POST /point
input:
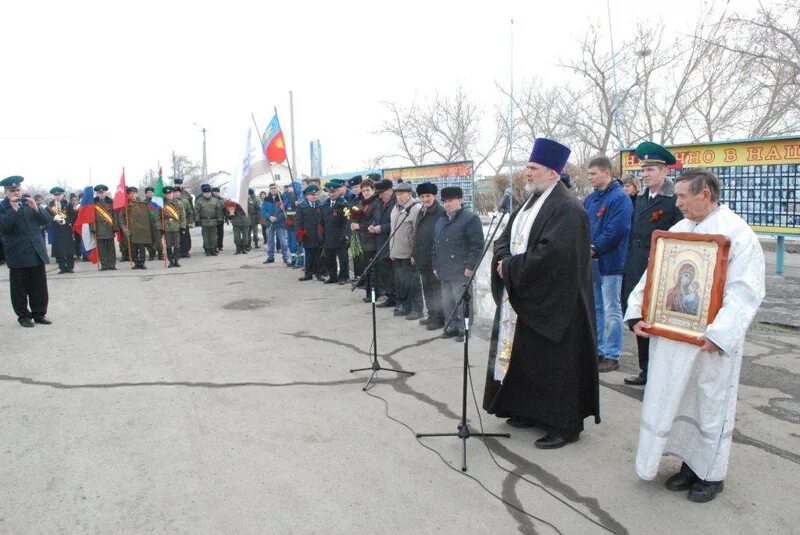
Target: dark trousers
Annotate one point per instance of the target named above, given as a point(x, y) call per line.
point(220, 233)
point(643, 348)
point(186, 242)
point(254, 233)
point(78, 243)
point(452, 290)
point(369, 280)
point(313, 261)
point(384, 278)
point(138, 253)
point(65, 263)
point(406, 283)
point(432, 290)
point(29, 285)
point(358, 265)
point(340, 254)
point(105, 252)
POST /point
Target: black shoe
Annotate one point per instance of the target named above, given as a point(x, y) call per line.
point(171, 265)
point(207, 253)
point(142, 266)
point(308, 278)
point(414, 316)
point(343, 282)
point(42, 320)
point(519, 423)
point(366, 299)
point(384, 302)
point(683, 480)
point(62, 271)
point(70, 271)
point(331, 281)
point(151, 257)
point(551, 442)
point(270, 261)
point(638, 380)
point(435, 326)
point(425, 321)
point(705, 491)
point(319, 277)
point(401, 312)
point(26, 322)
point(213, 252)
point(459, 338)
point(449, 334)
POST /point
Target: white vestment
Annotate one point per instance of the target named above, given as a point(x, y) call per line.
point(690, 399)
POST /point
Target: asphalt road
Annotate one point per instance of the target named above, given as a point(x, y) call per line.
point(217, 399)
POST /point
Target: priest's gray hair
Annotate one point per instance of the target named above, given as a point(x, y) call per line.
point(700, 179)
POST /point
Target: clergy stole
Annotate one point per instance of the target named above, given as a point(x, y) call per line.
point(520, 232)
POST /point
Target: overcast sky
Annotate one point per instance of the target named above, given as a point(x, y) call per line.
point(105, 84)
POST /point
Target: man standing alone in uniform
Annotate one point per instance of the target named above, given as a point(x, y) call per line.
point(20, 222)
point(63, 215)
point(208, 214)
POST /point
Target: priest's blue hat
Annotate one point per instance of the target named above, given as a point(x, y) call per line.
point(549, 153)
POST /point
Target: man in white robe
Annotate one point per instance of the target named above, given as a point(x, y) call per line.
point(690, 400)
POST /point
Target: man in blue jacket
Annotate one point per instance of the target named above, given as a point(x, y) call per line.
point(21, 220)
point(609, 209)
point(274, 214)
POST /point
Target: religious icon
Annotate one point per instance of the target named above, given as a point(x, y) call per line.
point(685, 283)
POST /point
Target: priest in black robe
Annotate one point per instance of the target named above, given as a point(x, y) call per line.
point(543, 355)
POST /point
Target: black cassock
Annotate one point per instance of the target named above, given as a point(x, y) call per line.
point(552, 378)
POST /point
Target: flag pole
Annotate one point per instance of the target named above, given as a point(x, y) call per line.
point(163, 223)
point(128, 222)
point(269, 164)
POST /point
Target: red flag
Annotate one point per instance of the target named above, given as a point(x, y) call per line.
point(121, 195)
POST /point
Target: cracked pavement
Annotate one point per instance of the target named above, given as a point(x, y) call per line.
point(217, 399)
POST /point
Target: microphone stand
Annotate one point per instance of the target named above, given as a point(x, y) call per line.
point(463, 429)
point(376, 366)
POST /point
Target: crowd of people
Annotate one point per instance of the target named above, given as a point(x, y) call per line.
point(567, 277)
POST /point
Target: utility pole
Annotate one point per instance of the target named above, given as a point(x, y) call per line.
point(291, 125)
point(205, 161)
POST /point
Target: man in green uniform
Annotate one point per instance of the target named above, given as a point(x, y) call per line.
point(105, 226)
point(254, 213)
point(241, 225)
point(155, 212)
point(174, 221)
point(221, 225)
point(138, 227)
point(207, 214)
point(185, 199)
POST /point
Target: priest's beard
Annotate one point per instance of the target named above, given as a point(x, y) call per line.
point(534, 189)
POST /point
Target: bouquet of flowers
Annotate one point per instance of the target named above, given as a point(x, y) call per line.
point(355, 215)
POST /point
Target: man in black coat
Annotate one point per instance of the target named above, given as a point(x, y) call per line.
point(21, 220)
point(654, 209)
point(336, 236)
point(422, 257)
point(382, 227)
point(543, 356)
point(457, 248)
point(308, 223)
point(63, 246)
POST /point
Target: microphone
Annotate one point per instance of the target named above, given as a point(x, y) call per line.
point(505, 202)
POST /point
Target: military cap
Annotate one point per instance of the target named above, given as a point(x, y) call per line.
point(334, 183)
point(132, 189)
point(205, 188)
point(427, 188)
point(149, 188)
point(215, 189)
point(549, 153)
point(12, 181)
point(383, 185)
point(168, 189)
point(650, 153)
point(56, 190)
point(101, 187)
point(404, 186)
point(311, 188)
point(177, 181)
point(356, 180)
point(373, 176)
point(453, 192)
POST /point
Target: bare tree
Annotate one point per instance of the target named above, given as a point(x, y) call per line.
point(444, 129)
